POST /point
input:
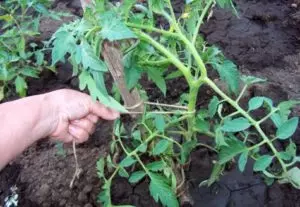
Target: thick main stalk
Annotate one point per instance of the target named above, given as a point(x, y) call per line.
point(193, 95)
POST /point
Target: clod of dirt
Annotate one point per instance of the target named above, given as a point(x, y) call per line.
point(82, 197)
point(87, 189)
point(44, 191)
point(260, 37)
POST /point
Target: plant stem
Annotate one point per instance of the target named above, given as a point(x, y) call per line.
point(91, 31)
point(194, 89)
point(166, 105)
point(170, 139)
point(246, 115)
point(268, 116)
point(242, 93)
point(152, 29)
point(156, 62)
point(207, 146)
point(200, 21)
point(142, 164)
point(185, 71)
point(196, 55)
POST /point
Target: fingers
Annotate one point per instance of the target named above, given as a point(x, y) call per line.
point(93, 118)
point(85, 124)
point(103, 112)
point(78, 133)
point(65, 137)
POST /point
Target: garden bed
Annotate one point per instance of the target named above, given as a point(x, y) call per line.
point(263, 42)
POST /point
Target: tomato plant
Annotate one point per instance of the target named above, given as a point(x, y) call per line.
point(20, 57)
point(158, 145)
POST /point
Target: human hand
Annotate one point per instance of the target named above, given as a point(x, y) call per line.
point(74, 115)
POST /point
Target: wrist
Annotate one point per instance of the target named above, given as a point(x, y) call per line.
point(46, 118)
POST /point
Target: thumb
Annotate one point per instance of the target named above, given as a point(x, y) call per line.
point(103, 112)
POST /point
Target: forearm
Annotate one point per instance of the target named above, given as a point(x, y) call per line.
point(22, 122)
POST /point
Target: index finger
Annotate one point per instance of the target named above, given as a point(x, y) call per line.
point(103, 112)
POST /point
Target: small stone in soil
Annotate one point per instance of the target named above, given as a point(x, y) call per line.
point(61, 164)
point(87, 188)
point(44, 190)
point(88, 205)
point(66, 194)
point(82, 197)
point(62, 202)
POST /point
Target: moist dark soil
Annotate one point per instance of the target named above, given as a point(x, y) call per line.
point(263, 41)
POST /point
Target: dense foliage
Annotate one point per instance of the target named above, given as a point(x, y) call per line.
point(159, 144)
point(20, 56)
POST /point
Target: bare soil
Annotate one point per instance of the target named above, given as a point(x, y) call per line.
point(263, 41)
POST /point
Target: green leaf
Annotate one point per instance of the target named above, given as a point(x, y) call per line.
point(287, 129)
point(128, 161)
point(202, 125)
point(173, 75)
point(289, 153)
point(220, 139)
point(126, 7)
point(187, 148)
point(100, 82)
point(161, 147)
point(157, 77)
point(291, 149)
point(224, 3)
point(215, 174)
point(229, 73)
point(142, 148)
point(85, 80)
point(123, 173)
point(255, 103)
point(137, 135)
point(113, 28)
point(235, 125)
point(161, 191)
point(104, 196)
point(285, 109)
point(157, 6)
point(64, 42)
point(132, 76)
point(213, 106)
point(21, 86)
point(160, 123)
point(276, 119)
point(30, 72)
point(78, 54)
point(285, 156)
point(243, 161)
point(137, 176)
point(268, 181)
point(3, 73)
point(293, 176)
point(227, 4)
point(100, 167)
point(262, 163)
point(39, 56)
point(156, 166)
point(234, 148)
point(90, 60)
point(248, 80)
